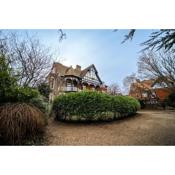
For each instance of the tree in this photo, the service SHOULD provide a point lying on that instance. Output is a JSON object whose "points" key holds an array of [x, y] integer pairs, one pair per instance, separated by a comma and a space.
{"points": [[128, 80], [158, 66], [44, 89], [161, 39], [7, 81], [9, 89], [114, 89], [129, 35], [30, 60], [62, 35]]}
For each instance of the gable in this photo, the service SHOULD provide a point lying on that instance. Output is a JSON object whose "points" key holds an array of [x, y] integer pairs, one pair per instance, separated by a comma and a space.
{"points": [[91, 74]]}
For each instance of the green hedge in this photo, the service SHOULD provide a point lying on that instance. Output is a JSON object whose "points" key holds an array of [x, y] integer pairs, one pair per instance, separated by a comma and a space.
{"points": [[40, 103], [91, 106]]}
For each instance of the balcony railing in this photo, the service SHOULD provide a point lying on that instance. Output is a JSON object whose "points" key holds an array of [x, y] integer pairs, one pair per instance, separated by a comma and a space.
{"points": [[70, 89]]}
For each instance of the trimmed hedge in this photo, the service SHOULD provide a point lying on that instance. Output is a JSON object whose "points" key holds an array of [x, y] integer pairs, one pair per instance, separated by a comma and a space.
{"points": [[93, 106]]}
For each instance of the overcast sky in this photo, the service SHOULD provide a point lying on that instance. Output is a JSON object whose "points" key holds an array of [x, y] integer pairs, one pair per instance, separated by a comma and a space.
{"points": [[103, 48]]}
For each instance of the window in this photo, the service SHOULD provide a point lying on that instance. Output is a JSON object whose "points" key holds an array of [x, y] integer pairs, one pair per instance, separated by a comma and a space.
{"points": [[70, 86], [52, 83], [144, 94], [153, 95], [84, 87]]}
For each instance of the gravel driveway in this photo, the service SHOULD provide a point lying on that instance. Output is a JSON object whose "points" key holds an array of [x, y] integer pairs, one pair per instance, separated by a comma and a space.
{"points": [[146, 128]]}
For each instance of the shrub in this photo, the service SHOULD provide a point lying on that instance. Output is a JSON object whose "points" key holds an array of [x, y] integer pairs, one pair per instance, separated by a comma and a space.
{"points": [[89, 105], [41, 103], [84, 104], [133, 104], [7, 82], [171, 100], [125, 105], [9, 89], [25, 94], [20, 122], [44, 90], [18, 94], [142, 103]]}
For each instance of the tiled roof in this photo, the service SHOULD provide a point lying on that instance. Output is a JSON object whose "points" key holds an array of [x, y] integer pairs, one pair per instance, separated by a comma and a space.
{"points": [[138, 88], [162, 93], [65, 70], [60, 68], [145, 84]]}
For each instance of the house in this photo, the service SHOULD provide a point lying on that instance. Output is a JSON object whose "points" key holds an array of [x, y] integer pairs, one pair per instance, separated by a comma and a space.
{"points": [[150, 91], [64, 79], [141, 89]]}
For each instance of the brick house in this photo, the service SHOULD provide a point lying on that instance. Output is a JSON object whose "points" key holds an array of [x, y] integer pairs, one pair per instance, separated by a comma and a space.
{"points": [[64, 79], [150, 91], [141, 89]]}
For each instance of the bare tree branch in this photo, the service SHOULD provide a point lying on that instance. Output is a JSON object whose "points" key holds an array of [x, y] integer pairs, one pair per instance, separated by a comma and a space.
{"points": [[160, 67], [114, 89], [62, 35], [30, 60], [128, 80]]}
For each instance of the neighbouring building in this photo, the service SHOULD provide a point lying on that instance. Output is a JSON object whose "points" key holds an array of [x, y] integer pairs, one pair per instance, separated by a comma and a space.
{"points": [[64, 79], [150, 91]]}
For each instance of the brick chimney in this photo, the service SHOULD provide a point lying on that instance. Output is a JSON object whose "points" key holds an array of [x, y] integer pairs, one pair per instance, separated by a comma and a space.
{"points": [[138, 80], [78, 67]]}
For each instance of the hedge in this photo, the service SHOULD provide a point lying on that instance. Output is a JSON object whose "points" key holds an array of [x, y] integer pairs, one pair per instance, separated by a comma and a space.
{"points": [[93, 106]]}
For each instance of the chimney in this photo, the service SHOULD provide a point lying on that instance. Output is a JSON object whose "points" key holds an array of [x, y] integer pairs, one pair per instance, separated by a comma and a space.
{"points": [[137, 80], [78, 67]]}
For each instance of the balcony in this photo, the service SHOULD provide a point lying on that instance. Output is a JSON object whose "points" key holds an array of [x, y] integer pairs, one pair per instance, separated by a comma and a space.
{"points": [[70, 89]]}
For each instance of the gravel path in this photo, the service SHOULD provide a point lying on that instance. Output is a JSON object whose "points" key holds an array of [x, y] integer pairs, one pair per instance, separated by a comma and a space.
{"points": [[146, 128]]}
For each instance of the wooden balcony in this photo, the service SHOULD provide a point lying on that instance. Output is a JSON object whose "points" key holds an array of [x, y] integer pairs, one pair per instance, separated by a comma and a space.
{"points": [[70, 89]]}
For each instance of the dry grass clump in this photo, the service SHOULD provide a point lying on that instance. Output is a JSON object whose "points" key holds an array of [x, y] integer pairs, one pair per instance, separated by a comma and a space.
{"points": [[20, 122]]}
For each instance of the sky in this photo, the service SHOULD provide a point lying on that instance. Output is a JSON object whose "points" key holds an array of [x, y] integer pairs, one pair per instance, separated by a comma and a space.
{"points": [[113, 60]]}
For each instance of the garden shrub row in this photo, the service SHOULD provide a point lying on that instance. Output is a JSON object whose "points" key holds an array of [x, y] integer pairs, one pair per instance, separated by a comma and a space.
{"points": [[93, 106]]}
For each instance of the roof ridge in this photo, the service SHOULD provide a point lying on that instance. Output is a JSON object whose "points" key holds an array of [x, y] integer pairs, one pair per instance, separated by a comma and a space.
{"points": [[60, 64]]}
